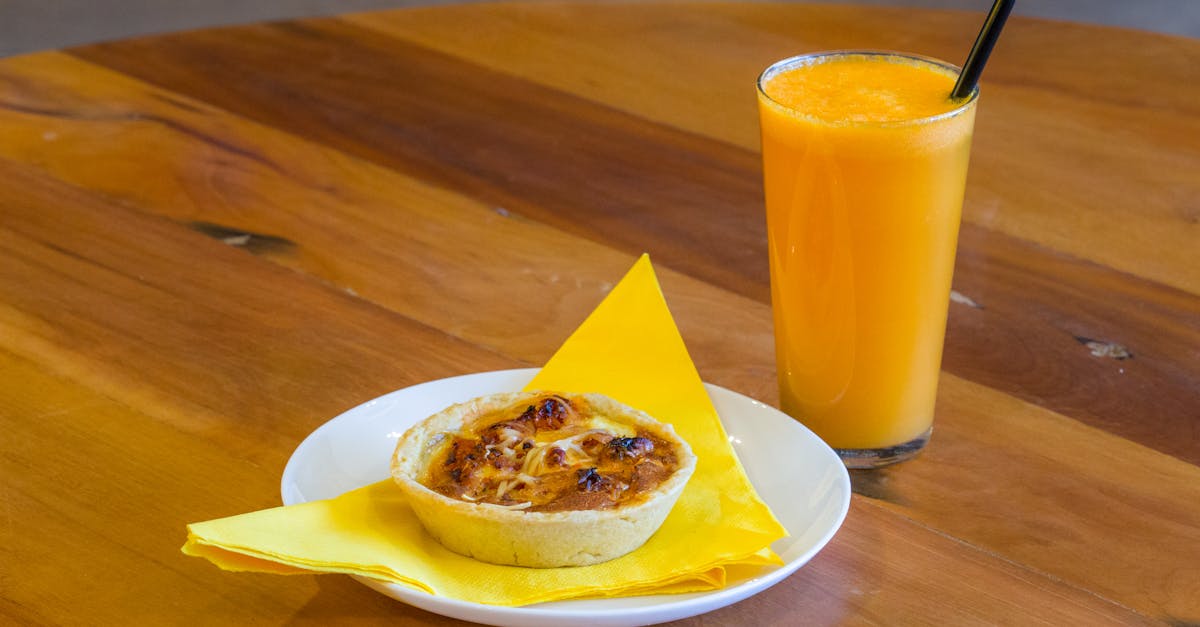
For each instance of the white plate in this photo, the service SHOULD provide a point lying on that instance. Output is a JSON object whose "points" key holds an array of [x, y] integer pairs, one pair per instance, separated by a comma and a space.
{"points": [[797, 474]]}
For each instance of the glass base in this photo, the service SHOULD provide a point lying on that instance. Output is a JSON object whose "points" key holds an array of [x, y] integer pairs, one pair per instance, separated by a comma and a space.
{"points": [[876, 457]]}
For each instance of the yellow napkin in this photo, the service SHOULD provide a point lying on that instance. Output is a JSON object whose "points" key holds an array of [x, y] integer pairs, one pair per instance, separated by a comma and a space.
{"points": [[628, 348]]}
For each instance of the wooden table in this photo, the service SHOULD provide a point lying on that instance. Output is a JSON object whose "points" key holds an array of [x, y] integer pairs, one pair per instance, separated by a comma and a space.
{"points": [[212, 242]]}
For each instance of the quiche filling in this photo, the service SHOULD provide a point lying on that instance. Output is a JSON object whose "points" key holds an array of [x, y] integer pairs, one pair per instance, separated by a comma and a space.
{"points": [[549, 456]]}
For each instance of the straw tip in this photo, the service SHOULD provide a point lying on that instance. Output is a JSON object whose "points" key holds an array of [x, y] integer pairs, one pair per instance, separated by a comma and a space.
{"points": [[968, 79]]}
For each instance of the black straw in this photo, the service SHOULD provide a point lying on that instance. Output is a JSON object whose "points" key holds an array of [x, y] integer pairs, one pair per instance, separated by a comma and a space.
{"points": [[973, 68]]}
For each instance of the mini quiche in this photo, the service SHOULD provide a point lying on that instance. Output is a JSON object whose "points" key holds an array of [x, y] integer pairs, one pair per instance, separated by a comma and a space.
{"points": [[542, 479]]}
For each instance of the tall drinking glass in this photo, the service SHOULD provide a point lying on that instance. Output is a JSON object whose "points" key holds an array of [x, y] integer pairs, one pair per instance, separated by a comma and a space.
{"points": [[864, 164]]}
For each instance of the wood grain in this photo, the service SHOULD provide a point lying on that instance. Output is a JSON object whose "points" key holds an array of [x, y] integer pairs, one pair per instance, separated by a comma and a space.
{"points": [[249, 177], [858, 566], [119, 465], [1032, 331], [219, 347], [1060, 123], [511, 143], [227, 422], [212, 242], [856, 572], [1020, 350], [1075, 496]]}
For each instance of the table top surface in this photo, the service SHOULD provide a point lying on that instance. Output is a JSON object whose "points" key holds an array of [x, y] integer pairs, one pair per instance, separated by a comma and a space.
{"points": [[212, 242]]}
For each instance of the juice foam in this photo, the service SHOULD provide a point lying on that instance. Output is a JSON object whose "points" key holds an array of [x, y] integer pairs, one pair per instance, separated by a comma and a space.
{"points": [[864, 89]]}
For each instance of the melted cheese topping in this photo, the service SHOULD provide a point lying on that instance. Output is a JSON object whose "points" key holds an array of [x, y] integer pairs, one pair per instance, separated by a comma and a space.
{"points": [[549, 456]]}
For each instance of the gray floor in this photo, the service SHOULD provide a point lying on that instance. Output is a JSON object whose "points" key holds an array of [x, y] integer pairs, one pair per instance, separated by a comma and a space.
{"points": [[29, 25]]}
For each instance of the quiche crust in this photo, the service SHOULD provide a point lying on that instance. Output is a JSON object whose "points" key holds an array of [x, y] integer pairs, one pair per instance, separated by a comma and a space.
{"points": [[542, 479]]}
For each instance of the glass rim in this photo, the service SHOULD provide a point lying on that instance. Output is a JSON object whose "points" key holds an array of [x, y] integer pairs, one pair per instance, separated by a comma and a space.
{"points": [[809, 58]]}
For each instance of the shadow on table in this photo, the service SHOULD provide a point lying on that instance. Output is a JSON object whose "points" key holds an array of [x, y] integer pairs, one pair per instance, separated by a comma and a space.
{"points": [[340, 598]]}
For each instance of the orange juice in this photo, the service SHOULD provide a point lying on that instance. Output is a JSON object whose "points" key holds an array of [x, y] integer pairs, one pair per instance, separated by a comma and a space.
{"points": [[864, 162]]}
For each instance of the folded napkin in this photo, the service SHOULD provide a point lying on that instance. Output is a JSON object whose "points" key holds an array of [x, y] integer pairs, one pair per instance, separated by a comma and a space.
{"points": [[629, 349]]}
